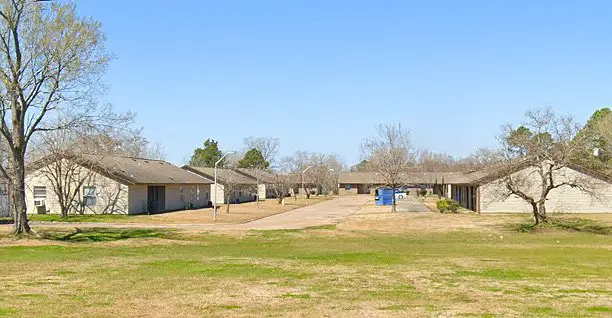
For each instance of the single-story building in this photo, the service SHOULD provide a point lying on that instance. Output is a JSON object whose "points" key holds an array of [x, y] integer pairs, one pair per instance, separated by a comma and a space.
{"points": [[242, 188], [358, 182], [485, 191], [366, 182], [265, 180], [299, 186], [112, 184]]}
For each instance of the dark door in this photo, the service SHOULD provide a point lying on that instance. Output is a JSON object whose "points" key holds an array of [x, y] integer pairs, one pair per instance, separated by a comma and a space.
{"points": [[156, 199]]}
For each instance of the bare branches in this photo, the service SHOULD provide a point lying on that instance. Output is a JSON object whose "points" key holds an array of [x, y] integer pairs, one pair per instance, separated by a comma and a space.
{"points": [[539, 159], [268, 146], [389, 153], [321, 169], [51, 62]]}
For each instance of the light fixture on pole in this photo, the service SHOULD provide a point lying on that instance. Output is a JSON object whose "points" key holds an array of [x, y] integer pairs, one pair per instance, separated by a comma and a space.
{"points": [[303, 186], [215, 195], [332, 171]]}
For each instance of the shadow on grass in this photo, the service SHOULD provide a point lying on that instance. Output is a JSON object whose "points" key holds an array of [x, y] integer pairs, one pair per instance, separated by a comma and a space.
{"points": [[79, 218], [6, 220], [565, 224], [107, 234], [329, 227]]}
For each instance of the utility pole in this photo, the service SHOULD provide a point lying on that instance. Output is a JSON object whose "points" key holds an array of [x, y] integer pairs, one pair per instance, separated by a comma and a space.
{"points": [[215, 195]]}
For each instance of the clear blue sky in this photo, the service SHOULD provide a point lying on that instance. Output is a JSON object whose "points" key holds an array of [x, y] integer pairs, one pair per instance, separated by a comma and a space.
{"points": [[320, 74]]}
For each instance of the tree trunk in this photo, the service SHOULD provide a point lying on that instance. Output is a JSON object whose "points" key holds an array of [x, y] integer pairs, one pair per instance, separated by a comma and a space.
{"points": [[227, 206], [393, 207], [64, 210], [18, 200], [535, 212], [542, 212]]}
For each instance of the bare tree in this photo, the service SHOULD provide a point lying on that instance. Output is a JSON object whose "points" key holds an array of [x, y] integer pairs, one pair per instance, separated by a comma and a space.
{"points": [[480, 159], [268, 146], [321, 170], [232, 184], [433, 161], [50, 59], [69, 160], [538, 154], [324, 172], [389, 153], [131, 143], [282, 185], [297, 164], [283, 180]]}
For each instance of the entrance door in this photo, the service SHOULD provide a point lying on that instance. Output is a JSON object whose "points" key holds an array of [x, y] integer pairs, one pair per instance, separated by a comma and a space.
{"points": [[156, 199]]}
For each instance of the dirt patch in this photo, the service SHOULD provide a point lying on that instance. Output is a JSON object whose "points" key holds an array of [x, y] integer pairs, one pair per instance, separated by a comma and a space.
{"points": [[427, 222]]}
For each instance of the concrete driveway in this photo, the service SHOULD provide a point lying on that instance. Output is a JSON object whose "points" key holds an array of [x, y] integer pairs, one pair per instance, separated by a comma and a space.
{"points": [[326, 212], [411, 204]]}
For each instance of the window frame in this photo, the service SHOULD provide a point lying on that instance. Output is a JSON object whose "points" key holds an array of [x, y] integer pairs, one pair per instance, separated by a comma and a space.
{"points": [[38, 196], [88, 197]]}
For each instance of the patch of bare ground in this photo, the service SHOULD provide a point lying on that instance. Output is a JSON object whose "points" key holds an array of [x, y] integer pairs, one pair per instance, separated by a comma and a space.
{"points": [[425, 222]]}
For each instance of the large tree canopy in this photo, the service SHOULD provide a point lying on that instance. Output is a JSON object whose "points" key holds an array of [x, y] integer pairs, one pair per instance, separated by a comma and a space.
{"points": [[208, 155], [253, 159]]}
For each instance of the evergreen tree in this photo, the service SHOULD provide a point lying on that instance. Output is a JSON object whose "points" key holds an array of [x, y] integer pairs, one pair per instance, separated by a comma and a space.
{"points": [[253, 159], [207, 156]]}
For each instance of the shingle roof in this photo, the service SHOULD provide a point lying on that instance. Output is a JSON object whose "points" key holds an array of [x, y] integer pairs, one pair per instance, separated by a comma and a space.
{"points": [[263, 175], [493, 173], [128, 170], [412, 177], [223, 175], [359, 178]]}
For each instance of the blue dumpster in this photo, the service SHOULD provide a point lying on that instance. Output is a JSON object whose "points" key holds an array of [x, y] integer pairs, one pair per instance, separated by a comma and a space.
{"points": [[384, 196]]}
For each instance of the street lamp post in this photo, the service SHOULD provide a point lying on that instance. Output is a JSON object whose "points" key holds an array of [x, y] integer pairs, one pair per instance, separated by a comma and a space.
{"points": [[335, 184], [215, 195], [303, 186]]}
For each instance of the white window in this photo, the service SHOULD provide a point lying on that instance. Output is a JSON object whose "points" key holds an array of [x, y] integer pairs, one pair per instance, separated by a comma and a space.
{"points": [[40, 192], [89, 196]]}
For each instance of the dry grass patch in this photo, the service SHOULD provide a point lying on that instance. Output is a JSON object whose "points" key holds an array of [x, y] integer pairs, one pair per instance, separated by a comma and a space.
{"points": [[426, 222], [239, 213]]}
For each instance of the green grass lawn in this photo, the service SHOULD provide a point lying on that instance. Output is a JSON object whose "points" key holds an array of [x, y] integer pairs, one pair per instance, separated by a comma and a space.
{"points": [[316, 272], [106, 218]]}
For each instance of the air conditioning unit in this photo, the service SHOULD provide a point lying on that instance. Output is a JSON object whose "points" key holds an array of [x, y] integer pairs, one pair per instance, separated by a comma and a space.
{"points": [[39, 203]]}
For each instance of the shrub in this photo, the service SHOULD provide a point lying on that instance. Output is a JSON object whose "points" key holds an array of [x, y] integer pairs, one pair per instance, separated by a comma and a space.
{"points": [[442, 205], [447, 205], [423, 192]]}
